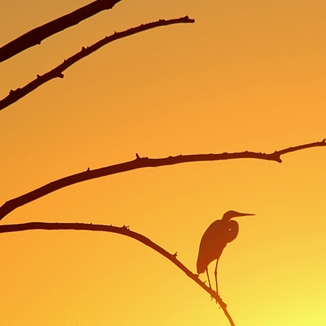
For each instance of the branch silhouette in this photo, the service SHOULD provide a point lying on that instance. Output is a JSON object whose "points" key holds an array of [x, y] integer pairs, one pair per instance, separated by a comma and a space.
{"points": [[142, 162], [124, 230], [15, 95], [38, 34]]}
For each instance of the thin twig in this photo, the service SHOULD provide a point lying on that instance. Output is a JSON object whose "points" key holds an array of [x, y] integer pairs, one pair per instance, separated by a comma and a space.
{"points": [[141, 162], [38, 34], [57, 72], [124, 230]]}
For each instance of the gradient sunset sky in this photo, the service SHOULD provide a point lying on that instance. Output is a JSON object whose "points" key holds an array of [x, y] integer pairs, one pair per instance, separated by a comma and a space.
{"points": [[247, 75]]}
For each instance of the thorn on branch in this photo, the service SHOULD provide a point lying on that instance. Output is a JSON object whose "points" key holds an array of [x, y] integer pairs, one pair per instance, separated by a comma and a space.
{"points": [[175, 254], [14, 91], [141, 158], [126, 227]]}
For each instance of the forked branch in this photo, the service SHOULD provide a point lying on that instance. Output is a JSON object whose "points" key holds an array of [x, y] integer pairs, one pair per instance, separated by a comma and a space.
{"points": [[38, 34], [124, 230], [142, 162], [57, 72]]}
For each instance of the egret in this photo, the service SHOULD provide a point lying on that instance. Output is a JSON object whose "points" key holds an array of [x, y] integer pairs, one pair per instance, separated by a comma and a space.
{"points": [[214, 240]]}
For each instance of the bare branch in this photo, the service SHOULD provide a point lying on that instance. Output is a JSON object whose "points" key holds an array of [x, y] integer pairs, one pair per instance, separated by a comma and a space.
{"points": [[142, 162], [300, 147], [15, 95], [124, 230], [40, 33]]}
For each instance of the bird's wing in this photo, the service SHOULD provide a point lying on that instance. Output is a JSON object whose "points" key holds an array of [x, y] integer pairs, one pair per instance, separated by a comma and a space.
{"points": [[211, 245]]}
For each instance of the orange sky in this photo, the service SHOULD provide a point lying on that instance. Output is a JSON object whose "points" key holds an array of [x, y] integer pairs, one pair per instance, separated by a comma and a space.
{"points": [[248, 75]]}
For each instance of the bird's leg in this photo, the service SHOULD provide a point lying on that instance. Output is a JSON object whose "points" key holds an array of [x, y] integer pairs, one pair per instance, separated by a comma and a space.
{"points": [[215, 274], [209, 281]]}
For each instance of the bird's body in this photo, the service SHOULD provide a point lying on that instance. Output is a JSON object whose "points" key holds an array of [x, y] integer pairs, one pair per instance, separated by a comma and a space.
{"points": [[215, 239]]}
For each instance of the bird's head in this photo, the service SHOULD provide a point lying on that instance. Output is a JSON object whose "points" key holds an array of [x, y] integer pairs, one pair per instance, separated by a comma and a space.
{"points": [[231, 214]]}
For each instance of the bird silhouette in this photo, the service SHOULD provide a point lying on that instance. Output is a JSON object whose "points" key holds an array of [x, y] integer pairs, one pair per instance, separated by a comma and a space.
{"points": [[214, 240]]}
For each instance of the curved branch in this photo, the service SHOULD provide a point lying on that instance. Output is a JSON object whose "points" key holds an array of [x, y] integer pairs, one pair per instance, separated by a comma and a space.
{"points": [[124, 230], [141, 162], [15, 95], [38, 34]]}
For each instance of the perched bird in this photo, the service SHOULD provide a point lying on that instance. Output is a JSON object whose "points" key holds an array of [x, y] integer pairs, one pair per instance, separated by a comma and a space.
{"points": [[214, 240]]}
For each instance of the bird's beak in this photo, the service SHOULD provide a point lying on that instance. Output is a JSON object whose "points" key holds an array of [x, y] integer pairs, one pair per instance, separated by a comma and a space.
{"points": [[245, 214]]}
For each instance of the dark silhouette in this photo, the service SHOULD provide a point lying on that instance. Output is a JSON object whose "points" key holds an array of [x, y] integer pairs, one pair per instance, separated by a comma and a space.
{"points": [[214, 240], [15, 95], [124, 230], [142, 162], [38, 34]]}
